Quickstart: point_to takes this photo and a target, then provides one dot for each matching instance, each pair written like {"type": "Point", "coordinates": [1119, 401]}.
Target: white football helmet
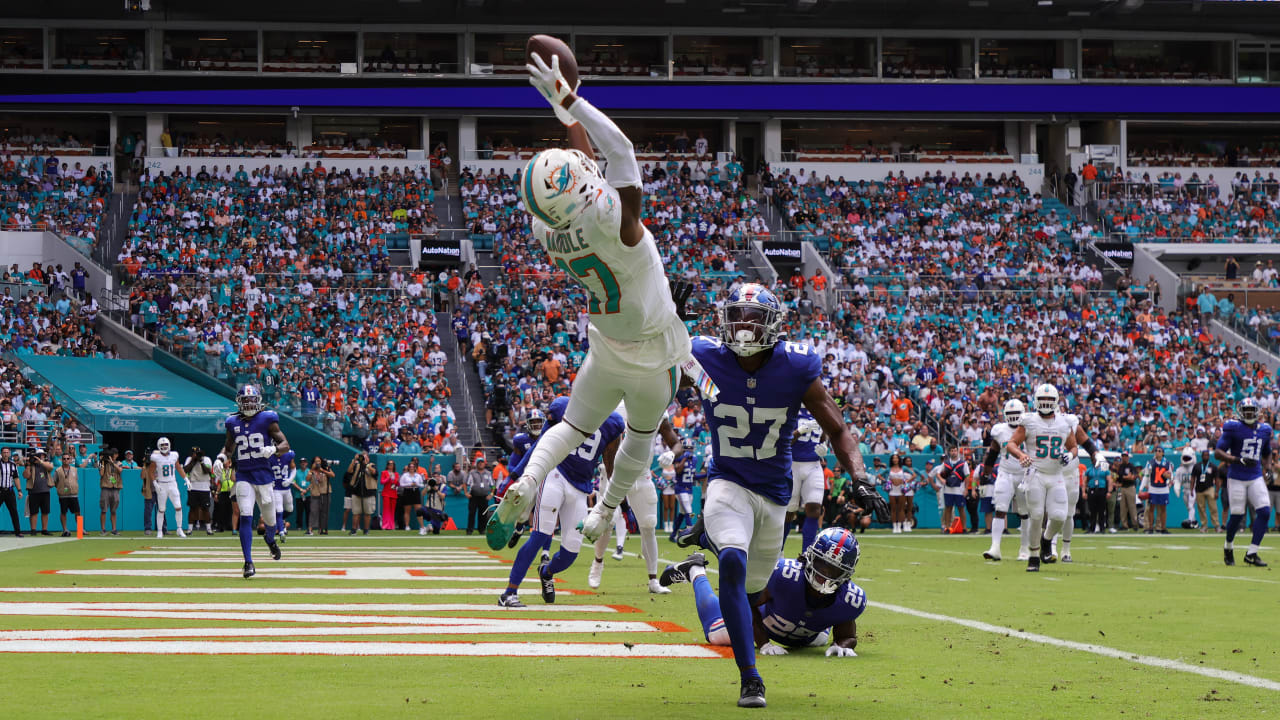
{"type": "Point", "coordinates": [163, 445]}
{"type": "Point", "coordinates": [1013, 410]}
{"type": "Point", "coordinates": [537, 420]}
{"type": "Point", "coordinates": [1047, 399]}
{"type": "Point", "coordinates": [558, 185]}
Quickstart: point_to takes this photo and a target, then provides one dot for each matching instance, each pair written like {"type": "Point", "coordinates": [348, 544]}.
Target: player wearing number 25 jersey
{"type": "Point", "coordinates": [1245, 447]}
{"type": "Point", "coordinates": [253, 441]}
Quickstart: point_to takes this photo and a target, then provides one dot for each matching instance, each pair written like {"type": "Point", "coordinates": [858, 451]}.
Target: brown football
{"type": "Point", "coordinates": [545, 47]}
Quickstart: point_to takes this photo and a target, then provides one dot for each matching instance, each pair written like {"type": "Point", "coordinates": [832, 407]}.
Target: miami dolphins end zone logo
{"type": "Point", "coordinates": [128, 393]}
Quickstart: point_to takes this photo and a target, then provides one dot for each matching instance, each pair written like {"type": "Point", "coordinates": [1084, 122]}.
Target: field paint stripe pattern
{"type": "Point", "coordinates": [316, 607]}
{"type": "Point", "coordinates": [474, 649]}
{"type": "Point", "coordinates": [1228, 675]}
{"type": "Point", "coordinates": [266, 591]}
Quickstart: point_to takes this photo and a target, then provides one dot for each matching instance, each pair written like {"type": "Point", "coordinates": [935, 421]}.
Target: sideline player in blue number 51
{"type": "Point", "coordinates": [253, 439]}
{"type": "Point", "coordinates": [807, 602]}
{"type": "Point", "coordinates": [762, 383]}
{"type": "Point", "coordinates": [1245, 446]}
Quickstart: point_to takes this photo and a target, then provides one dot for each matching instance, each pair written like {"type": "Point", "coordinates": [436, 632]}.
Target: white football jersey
{"type": "Point", "coordinates": [1003, 433]}
{"type": "Point", "coordinates": [1046, 440]}
{"type": "Point", "coordinates": [1072, 470]}
{"type": "Point", "coordinates": [166, 465]}
{"type": "Point", "coordinates": [630, 301]}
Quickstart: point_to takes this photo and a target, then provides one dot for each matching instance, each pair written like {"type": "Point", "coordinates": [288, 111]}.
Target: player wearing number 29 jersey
{"type": "Point", "coordinates": [253, 442]}
{"type": "Point", "coordinates": [251, 434]}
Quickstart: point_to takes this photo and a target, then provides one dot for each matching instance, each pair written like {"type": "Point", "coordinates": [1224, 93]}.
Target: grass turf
{"type": "Point", "coordinates": [1166, 596]}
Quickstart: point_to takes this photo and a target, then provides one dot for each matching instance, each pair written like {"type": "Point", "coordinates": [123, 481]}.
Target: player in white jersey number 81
{"type": "Point", "coordinates": [590, 227]}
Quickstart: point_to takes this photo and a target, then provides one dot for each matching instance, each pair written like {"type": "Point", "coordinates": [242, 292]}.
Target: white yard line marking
{"type": "Point", "coordinates": [959, 579]}
{"type": "Point", "coordinates": [483, 649]}
{"type": "Point", "coordinates": [1137, 577]}
{"type": "Point", "coordinates": [1086, 563]}
{"type": "Point", "coordinates": [290, 560]}
{"type": "Point", "coordinates": [270, 570]}
{"type": "Point", "coordinates": [302, 552]}
{"type": "Point", "coordinates": [206, 633]}
{"type": "Point", "coordinates": [511, 623]}
{"type": "Point", "coordinates": [126, 607]}
{"type": "Point", "coordinates": [256, 590]}
{"type": "Point", "coordinates": [1228, 675]}
{"type": "Point", "coordinates": [22, 543]}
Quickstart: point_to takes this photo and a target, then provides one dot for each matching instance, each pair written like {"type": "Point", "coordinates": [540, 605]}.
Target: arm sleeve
{"type": "Point", "coordinates": [623, 170]}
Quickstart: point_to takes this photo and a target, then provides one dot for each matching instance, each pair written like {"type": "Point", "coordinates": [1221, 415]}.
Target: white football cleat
{"type": "Point", "coordinates": [159, 534]}
{"type": "Point", "coordinates": [992, 555]}
{"type": "Point", "coordinates": [181, 534]}
{"type": "Point", "coordinates": [1024, 555]}
{"type": "Point", "coordinates": [1066, 558]}
{"type": "Point", "coordinates": [656, 587]}
{"type": "Point", "coordinates": [595, 574]}
{"type": "Point", "coordinates": [517, 500]}
{"type": "Point", "coordinates": [617, 553]}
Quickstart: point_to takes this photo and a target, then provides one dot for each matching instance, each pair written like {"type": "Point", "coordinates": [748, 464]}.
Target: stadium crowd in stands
{"type": "Point", "coordinates": [43, 193]}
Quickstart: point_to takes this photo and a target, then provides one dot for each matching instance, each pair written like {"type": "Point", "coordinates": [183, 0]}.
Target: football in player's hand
{"type": "Point", "coordinates": [545, 47]}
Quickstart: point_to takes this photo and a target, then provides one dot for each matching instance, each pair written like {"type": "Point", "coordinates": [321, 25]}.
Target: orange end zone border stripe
{"type": "Point", "coordinates": [664, 626]}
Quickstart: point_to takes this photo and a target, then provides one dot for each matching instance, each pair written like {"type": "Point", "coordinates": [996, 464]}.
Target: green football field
{"type": "Point", "coordinates": [407, 626]}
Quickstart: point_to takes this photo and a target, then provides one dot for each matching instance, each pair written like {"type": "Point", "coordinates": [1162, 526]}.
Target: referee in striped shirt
{"type": "Point", "coordinates": [10, 490]}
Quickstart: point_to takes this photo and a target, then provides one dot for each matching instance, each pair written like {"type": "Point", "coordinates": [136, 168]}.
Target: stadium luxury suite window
{"type": "Point", "coordinates": [1011, 59]}
{"type": "Point", "coordinates": [883, 141]}
{"type": "Point", "coordinates": [1155, 60]}
{"type": "Point", "coordinates": [655, 139]}
{"type": "Point", "coordinates": [503, 53]}
{"type": "Point", "coordinates": [360, 136]}
{"type": "Point", "coordinates": [307, 51]}
{"type": "Point", "coordinates": [211, 50]}
{"type": "Point", "coordinates": [637, 55]}
{"type": "Point", "coordinates": [99, 49]}
{"type": "Point", "coordinates": [21, 48]}
{"type": "Point", "coordinates": [720, 55]}
{"type": "Point", "coordinates": [395, 52]}
{"type": "Point", "coordinates": [828, 57]}
{"type": "Point", "coordinates": [927, 58]}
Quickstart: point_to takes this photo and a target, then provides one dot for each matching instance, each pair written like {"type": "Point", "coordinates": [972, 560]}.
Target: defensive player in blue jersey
{"type": "Point", "coordinates": [253, 439]}
{"type": "Point", "coordinates": [1245, 447]}
{"type": "Point", "coordinates": [563, 498]}
{"type": "Point", "coordinates": [762, 384]}
{"type": "Point", "coordinates": [520, 445]}
{"type": "Point", "coordinates": [806, 603]}
{"type": "Point", "coordinates": [282, 474]}
{"type": "Point", "coordinates": [808, 484]}
{"type": "Point", "coordinates": [686, 467]}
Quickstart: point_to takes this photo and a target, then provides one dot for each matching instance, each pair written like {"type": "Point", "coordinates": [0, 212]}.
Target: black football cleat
{"type": "Point", "coordinates": [249, 570]}
{"type": "Point", "coordinates": [1229, 557]}
{"type": "Point", "coordinates": [548, 583]}
{"type": "Point", "coordinates": [1033, 563]}
{"type": "Point", "coordinates": [752, 695]}
{"type": "Point", "coordinates": [1046, 554]}
{"type": "Point", "coordinates": [1254, 560]}
{"type": "Point", "coordinates": [692, 535]}
{"type": "Point", "coordinates": [680, 572]}
{"type": "Point", "coordinates": [515, 536]}
{"type": "Point", "coordinates": [275, 550]}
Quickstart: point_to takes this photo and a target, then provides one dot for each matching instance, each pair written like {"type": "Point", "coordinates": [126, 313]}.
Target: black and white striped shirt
{"type": "Point", "coordinates": [8, 474]}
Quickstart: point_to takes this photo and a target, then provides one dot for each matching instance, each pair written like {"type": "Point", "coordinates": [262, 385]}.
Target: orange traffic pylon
{"type": "Point", "coordinates": [957, 527]}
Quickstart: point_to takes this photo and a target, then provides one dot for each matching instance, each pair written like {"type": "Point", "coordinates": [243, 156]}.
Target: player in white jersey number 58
{"type": "Point", "coordinates": [1050, 441]}
{"type": "Point", "coordinates": [590, 227]}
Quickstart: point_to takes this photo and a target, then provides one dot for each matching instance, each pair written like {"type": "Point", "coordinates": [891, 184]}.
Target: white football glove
{"type": "Point", "coordinates": [667, 459]}
{"type": "Point", "coordinates": [551, 83]}
{"type": "Point", "coordinates": [809, 426]}
{"type": "Point", "coordinates": [821, 450]}
{"type": "Point", "coordinates": [188, 482]}
{"type": "Point", "coordinates": [1066, 457]}
{"type": "Point", "coordinates": [267, 451]}
{"type": "Point", "coordinates": [771, 649]}
{"type": "Point", "coordinates": [840, 651]}
{"type": "Point", "coordinates": [597, 522]}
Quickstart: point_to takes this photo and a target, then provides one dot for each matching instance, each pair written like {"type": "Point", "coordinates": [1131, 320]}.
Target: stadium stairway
{"type": "Point", "coordinates": [114, 229]}
{"type": "Point", "coordinates": [467, 398]}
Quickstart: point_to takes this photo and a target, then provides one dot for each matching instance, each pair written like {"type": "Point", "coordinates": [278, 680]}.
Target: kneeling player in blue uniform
{"type": "Point", "coordinates": [807, 602]}
{"type": "Point", "coordinates": [762, 384]}
{"type": "Point", "coordinates": [1245, 446]}
{"type": "Point", "coordinates": [563, 498]}
{"type": "Point", "coordinates": [253, 440]}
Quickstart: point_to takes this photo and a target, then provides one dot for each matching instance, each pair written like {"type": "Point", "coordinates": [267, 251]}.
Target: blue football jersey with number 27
{"type": "Point", "coordinates": [753, 418]}
{"type": "Point", "coordinates": [1250, 443]}
{"type": "Point", "coordinates": [251, 434]}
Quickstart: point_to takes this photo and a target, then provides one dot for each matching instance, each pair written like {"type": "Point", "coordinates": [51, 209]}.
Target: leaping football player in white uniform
{"type": "Point", "coordinates": [590, 227]}
{"type": "Point", "coordinates": [1010, 475]}
{"type": "Point", "coordinates": [1052, 442]}
{"type": "Point", "coordinates": [166, 471]}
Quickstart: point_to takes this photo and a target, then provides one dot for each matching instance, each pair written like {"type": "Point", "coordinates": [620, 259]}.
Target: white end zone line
{"type": "Point", "coordinates": [1228, 675]}
{"type": "Point", "coordinates": [475, 649]}
{"type": "Point", "coordinates": [125, 607]}
{"type": "Point", "coordinates": [251, 590]}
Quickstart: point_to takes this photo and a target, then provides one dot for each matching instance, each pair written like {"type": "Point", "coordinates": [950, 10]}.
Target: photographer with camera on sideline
{"type": "Point", "coordinates": [199, 469]}
{"type": "Point", "coordinates": [37, 474]}
{"type": "Point", "coordinates": [362, 488]}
